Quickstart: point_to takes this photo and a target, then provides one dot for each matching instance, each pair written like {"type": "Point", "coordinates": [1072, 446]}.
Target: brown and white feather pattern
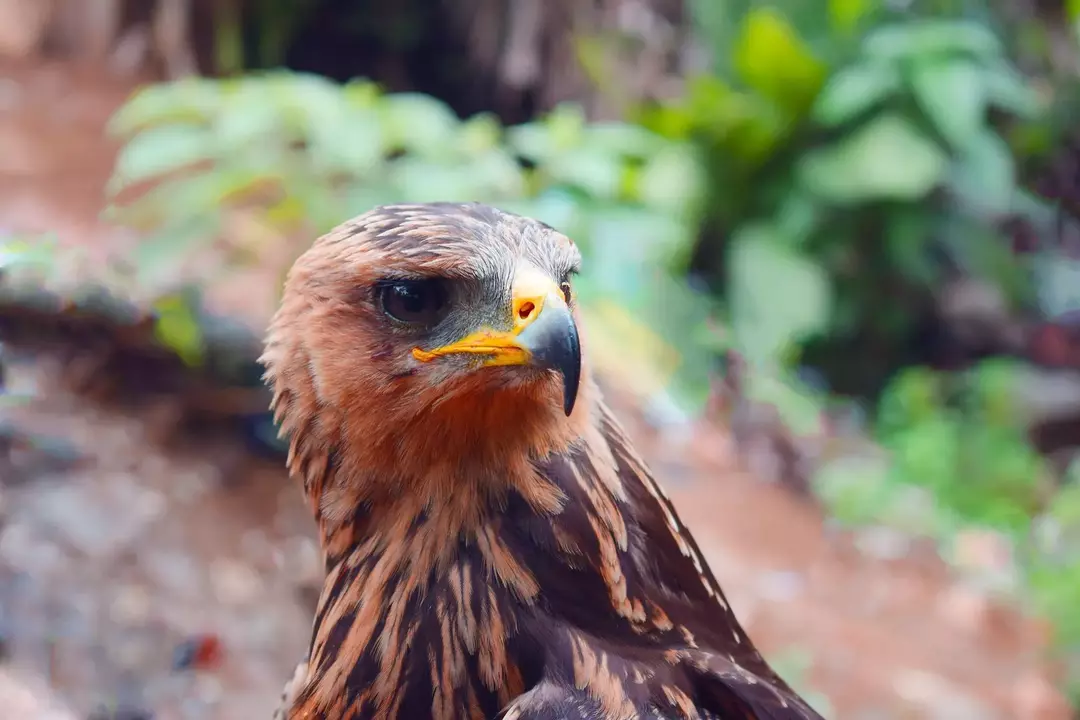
{"type": "Point", "coordinates": [597, 607]}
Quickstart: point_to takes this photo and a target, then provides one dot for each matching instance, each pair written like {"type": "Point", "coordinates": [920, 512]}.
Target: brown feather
{"type": "Point", "coordinates": [485, 553]}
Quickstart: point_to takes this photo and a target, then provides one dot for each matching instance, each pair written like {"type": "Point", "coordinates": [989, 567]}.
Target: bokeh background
{"type": "Point", "coordinates": [832, 285]}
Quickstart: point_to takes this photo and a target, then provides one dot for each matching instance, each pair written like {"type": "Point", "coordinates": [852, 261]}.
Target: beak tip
{"type": "Point", "coordinates": [571, 370]}
{"type": "Point", "coordinates": [571, 375]}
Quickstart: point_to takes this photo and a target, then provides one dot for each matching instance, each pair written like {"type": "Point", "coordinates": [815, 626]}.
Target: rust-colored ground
{"type": "Point", "coordinates": [106, 566]}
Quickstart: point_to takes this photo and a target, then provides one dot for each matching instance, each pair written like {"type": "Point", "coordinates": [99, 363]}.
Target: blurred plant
{"type": "Point", "coordinates": [957, 461]}
{"type": "Point", "coordinates": [856, 165]}
{"type": "Point", "coordinates": [251, 165]}
{"type": "Point", "coordinates": [853, 165]}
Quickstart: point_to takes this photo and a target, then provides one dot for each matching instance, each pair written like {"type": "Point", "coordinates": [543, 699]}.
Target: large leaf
{"type": "Point", "coordinates": [497, 174]}
{"type": "Point", "coordinates": [887, 159]}
{"type": "Point", "coordinates": [533, 141]}
{"type": "Point", "coordinates": [926, 37]}
{"type": "Point", "coordinates": [420, 124]}
{"type": "Point", "coordinates": [479, 134]}
{"type": "Point", "coordinates": [844, 15]}
{"type": "Point", "coordinates": [419, 181]}
{"type": "Point", "coordinates": [619, 138]}
{"type": "Point", "coordinates": [191, 100]}
{"type": "Point", "coordinates": [951, 93]}
{"type": "Point", "coordinates": [593, 170]}
{"type": "Point", "coordinates": [249, 118]}
{"type": "Point", "coordinates": [541, 141]}
{"type": "Point", "coordinates": [778, 295]}
{"type": "Point", "coordinates": [303, 99]}
{"type": "Point", "coordinates": [672, 180]}
{"type": "Point", "coordinates": [854, 90]}
{"type": "Point", "coordinates": [1007, 90]}
{"type": "Point", "coordinates": [771, 58]}
{"type": "Point", "coordinates": [159, 150]}
{"type": "Point", "coordinates": [984, 176]}
{"type": "Point", "coordinates": [351, 141]}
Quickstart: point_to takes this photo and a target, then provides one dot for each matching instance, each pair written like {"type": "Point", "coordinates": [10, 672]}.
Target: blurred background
{"type": "Point", "coordinates": [832, 285]}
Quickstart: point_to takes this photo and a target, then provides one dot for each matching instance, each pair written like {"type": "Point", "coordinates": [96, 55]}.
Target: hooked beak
{"type": "Point", "coordinates": [544, 335]}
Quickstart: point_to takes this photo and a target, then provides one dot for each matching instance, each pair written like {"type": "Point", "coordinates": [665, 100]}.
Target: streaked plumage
{"type": "Point", "coordinates": [487, 554]}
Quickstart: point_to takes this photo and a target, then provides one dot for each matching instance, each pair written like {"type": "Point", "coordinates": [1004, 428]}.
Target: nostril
{"type": "Point", "coordinates": [526, 310]}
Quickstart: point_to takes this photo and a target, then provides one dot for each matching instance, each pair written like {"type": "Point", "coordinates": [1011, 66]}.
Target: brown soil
{"type": "Point", "coordinates": [108, 562]}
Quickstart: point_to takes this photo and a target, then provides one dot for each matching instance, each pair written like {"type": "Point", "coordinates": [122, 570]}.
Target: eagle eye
{"type": "Point", "coordinates": [415, 302]}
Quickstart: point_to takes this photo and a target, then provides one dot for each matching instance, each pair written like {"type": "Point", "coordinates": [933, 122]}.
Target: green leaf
{"type": "Point", "coordinates": [984, 176]}
{"type": "Point", "coordinates": [625, 139]}
{"type": "Point", "coordinates": [855, 489]}
{"type": "Point", "coordinates": [249, 121]}
{"type": "Point", "coordinates": [672, 180]}
{"type": "Point", "coordinates": [1007, 90]}
{"type": "Point", "coordinates": [177, 327]}
{"type": "Point", "coordinates": [778, 295]}
{"type": "Point", "coordinates": [771, 58]}
{"type": "Point", "coordinates": [885, 159]}
{"type": "Point", "coordinates": [160, 150]}
{"type": "Point", "coordinates": [1057, 282]}
{"type": "Point", "coordinates": [594, 170]}
{"type": "Point", "coordinates": [541, 141]}
{"type": "Point", "coordinates": [924, 38]}
{"type": "Point", "coordinates": [192, 100]}
{"type": "Point", "coordinates": [418, 180]}
{"type": "Point", "coordinates": [351, 141]}
{"type": "Point", "coordinates": [854, 90]}
{"type": "Point", "coordinates": [567, 123]}
{"type": "Point", "coordinates": [361, 93]}
{"type": "Point", "coordinates": [797, 216]}
{"type": "Point", "coordinates": [496, 174]}
{"type": "Point", "coordinates": [951, 93]}
{"type": "Point", "coordinates": [420, 124]}
{"type": "Point", "coordinates": [844, 15]}
{"type": "Point", "coordinates": [532, 141]}
{"type": "Point", "coordinates": [911, 397]}
{"type": "Point", "coordinates": [480, 134]}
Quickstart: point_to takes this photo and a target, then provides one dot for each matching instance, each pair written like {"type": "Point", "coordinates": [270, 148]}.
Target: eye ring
{"type": "Point", "coordinates": [416, 303]}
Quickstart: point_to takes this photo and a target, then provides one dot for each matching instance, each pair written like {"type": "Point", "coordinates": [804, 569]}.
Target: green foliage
{"type": "Point", "coordinates": [863, 145]}
{"type": "Point", "coordinates": [955, 459]}
{"type": "Point", "coordinates": [974, 459]}
{"type": "Point", "coordinates": [177, 327]}
{"type": "Point", "coordinates": [295, 155]}
{"type": "Point", "coordinates": [856, 156]}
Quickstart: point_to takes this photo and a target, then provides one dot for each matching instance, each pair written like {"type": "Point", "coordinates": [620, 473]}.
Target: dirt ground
{"type": "Point", "coordinates": [113, 553]}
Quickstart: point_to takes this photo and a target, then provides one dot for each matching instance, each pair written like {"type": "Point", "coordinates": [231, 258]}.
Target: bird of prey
{"type": "Point", "coordinates": [494, 546]}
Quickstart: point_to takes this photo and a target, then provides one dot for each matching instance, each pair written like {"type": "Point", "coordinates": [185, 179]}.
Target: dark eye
{"type": "Point", "coordinates": [416, 302]}
{"type": "Point", "coordinates": [567, 291]}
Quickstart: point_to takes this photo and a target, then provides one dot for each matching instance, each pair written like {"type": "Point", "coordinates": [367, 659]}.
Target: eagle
{"type": "Point", "coordinates": [494, 546]}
